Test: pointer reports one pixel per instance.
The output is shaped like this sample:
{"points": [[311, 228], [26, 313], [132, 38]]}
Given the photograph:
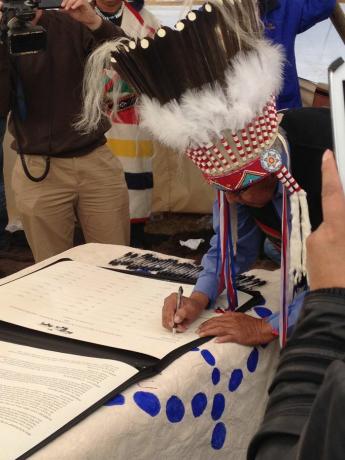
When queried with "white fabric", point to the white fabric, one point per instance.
{"points": [[132, 27], [124, 432], [140, 201]]}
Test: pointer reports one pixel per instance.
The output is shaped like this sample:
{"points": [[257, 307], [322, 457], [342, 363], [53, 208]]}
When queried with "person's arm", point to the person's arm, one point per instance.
{"points": [[248, 242], [248, 245], [293, 314], [314, 11], [82, 11], [204, 291], [206, 288], [207, 282], [245, 330], [233, 326]]}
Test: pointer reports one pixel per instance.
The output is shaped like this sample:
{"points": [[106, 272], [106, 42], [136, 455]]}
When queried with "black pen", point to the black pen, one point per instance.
{"points": [[178, 305]]}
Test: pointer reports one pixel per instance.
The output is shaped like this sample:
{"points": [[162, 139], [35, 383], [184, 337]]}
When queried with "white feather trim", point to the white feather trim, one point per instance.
{"points": [[305, 227], [166, 123], [203, 113], [254, 77], [296, 269], [300, 230]]}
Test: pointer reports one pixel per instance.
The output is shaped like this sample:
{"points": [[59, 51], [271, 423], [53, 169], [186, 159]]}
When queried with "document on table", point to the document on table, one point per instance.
{"points": [[96, 305], [41, 391]]}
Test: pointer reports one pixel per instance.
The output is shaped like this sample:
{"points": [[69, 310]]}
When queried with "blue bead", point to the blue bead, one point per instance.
{"points": [[215, 376], [119, 400], [148, 402], [208, 357], [253, 359], [236, 378], [199, 404], [195, 349], [218, 436], [218, 406], [175, 409], [263, 312]]}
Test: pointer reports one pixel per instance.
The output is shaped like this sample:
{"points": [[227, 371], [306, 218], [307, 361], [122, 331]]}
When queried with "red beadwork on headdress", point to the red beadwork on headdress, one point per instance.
{"points": [[234, 160]]}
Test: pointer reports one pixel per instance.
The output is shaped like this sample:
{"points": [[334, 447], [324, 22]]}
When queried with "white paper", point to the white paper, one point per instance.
{"points": [[88, 303], [192, 243], [41, 391]]}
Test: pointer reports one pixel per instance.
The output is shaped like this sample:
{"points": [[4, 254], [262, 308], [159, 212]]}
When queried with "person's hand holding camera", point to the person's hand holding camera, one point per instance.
{"points": [[82, 11], [326, 246]]}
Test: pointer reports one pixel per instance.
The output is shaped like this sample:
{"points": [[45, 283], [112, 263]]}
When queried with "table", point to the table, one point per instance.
{"points": [[207, 404]]}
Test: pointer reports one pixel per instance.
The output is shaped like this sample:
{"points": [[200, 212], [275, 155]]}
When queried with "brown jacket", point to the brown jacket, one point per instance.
{"points": [[52, 84], [4, 83]]}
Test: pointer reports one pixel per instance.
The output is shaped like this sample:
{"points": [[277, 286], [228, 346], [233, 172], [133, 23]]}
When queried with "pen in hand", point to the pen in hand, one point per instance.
{"points": [[178, 305]]}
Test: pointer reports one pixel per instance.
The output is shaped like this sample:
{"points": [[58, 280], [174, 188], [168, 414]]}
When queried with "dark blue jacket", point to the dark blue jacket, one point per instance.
{"points": [[283, 20]]}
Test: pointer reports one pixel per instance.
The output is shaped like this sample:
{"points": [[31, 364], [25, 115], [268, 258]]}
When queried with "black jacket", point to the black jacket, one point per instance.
{"points": [[309, 132], [305, 419]]}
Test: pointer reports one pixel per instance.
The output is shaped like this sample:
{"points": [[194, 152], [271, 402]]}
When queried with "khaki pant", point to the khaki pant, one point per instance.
{"points": [[91, 188]]}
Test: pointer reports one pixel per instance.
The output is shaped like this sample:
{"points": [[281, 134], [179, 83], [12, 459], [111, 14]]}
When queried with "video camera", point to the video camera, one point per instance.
{"points": [[16, 29]]}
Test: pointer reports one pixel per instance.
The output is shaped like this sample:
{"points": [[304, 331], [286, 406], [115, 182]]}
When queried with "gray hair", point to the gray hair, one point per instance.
{"points": [[93, 86]]}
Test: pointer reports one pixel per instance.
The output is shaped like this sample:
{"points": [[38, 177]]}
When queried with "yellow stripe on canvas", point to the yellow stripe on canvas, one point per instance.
{"points": [[128, 148]]}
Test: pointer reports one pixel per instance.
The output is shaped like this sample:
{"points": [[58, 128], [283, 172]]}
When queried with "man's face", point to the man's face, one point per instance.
{"points": [[257, 195]]}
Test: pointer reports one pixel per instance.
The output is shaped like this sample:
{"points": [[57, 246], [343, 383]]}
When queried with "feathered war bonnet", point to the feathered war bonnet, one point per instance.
{"points": [[207, 88]]}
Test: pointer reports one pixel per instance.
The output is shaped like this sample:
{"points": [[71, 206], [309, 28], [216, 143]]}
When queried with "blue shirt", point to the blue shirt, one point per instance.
{"points": [[248, 246], [249, 239], [282, 24], [293, 313]]}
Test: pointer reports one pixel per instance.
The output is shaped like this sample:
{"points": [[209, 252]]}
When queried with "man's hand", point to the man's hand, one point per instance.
{"points": [[190, 309], [326, 246], [82, 11], [238, 328]]}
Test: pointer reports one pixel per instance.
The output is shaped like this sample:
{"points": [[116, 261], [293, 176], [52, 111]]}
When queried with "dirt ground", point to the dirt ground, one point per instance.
{"points": [[162, 234]]}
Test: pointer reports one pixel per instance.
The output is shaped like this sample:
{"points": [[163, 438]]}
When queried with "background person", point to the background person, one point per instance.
{"points": [[128, 142], [283, 21], [60, 173]]}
